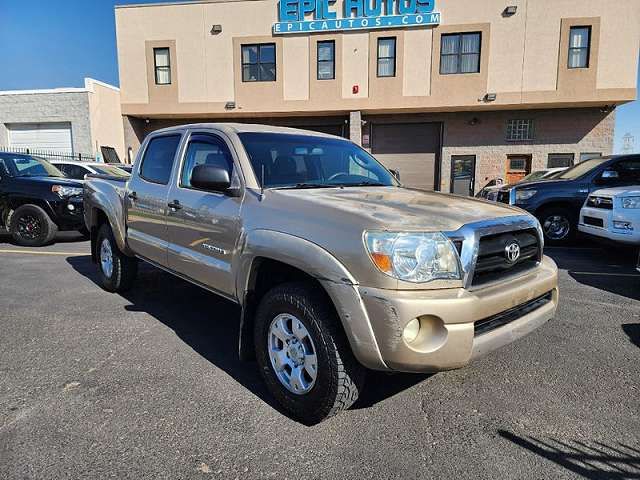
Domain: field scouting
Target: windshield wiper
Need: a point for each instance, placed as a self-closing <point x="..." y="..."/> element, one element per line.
<point x="301" y="186"/>
<point x="363" y="184"/>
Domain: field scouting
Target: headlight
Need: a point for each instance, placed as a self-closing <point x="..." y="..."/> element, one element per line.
<point x="414" y="257"/>
<point x="631" y="202"/>
<point x="522" y="195"/>
<point x="64" y="191"/>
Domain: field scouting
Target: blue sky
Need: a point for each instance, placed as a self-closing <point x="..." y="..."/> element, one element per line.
<point x="54" y="43"/>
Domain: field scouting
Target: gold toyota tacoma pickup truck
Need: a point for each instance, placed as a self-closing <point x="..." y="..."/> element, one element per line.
<point x="337" y="267"/>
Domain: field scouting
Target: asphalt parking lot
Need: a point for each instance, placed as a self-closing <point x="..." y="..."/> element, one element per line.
<point x="148" y="385"/>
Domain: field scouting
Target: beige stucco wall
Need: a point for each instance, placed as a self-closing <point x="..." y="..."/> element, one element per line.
<point x="105" y="115"/>
<point x="522" y="60"/>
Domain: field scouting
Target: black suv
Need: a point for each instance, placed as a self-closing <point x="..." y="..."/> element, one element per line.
<point x="36" y="200"/>
<point x="557" y="202"/>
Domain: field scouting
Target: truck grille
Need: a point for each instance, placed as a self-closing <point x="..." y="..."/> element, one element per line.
<point x="496" y="321"/>
<point x="503" y="196"/>
<point x="494" y="261"/>
<point x="600" y="202"/>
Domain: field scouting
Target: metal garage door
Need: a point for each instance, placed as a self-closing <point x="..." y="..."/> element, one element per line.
<point x="410" y="148"/>
<point x="51" y="137"/>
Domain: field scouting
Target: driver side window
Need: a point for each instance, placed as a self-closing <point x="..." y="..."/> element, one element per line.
<point x="205" y="150"/>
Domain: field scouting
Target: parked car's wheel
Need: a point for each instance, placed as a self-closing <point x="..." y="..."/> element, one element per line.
<point x="117" y="271"/>
<point x="30" y="226"/>
<point x="558" y="224"/>
<point x="303" y="354"/>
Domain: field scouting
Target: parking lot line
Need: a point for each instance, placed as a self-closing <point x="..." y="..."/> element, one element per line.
<point x="30" y="252"/>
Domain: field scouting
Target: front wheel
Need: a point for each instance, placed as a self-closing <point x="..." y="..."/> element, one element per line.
<point x="30" y="226"/>
<point x="304" y="356"/>
<point x="117" y="271"/>
<point x="558" y="225"/>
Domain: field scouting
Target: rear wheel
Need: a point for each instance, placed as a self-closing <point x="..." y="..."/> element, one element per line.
<point x="303" y="354"/>
<point x="117" y="271"/>
<point x="30" y="226"/>
<point x="558" y="225"/>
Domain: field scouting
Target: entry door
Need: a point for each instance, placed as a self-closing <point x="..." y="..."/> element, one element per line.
<point x="147" y="207"/>
<point x="463" y="174"/>
<point x="203" y="227"/>
<point x="518" y="167"/>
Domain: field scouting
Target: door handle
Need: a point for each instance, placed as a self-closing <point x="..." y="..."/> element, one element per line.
<point x="175" y="205"/>
<point x="133" y="196"/>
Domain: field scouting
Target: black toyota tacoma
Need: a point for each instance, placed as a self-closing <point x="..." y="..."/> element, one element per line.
<point x="557" y="202"/>
<point x="37" y="200"/>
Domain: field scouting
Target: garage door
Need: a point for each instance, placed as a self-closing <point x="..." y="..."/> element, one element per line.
<point x="51" y="137"/>
<point x="410" y="148"/>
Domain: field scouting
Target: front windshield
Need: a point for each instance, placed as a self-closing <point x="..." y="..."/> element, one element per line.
<point x="581" y="168"/>
<point x="308" y="161"/>
<point x="28" y="166"/>
<point x="110" y="170"/>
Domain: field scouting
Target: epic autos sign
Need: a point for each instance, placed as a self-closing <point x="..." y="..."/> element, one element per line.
<point x="299" y="16"/>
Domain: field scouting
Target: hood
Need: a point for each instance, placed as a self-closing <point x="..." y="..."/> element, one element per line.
<point x="69" y="182"/>
<point x="393" y="208"/>
<point x="632" y="191"/>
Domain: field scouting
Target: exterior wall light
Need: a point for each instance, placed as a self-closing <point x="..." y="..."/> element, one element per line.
<point x="216" y="29"/>
<point x="230" y="105"/>
<point x="510" y="11"/>
<point x="490" y="97"/>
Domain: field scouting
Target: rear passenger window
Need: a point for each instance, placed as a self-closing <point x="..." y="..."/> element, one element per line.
<point x="205" y="150"/>
<point x="157" y="162"/>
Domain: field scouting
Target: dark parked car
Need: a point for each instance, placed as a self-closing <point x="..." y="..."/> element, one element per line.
<point x="36" y="200"/>
<point x="557" y="202"/>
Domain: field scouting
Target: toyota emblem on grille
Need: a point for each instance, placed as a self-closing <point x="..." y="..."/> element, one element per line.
<point x="512" y="252"/>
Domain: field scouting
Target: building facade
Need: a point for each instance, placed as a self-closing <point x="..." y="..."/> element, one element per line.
<point x="451" y="93"/>
<point x="70" y="121"/>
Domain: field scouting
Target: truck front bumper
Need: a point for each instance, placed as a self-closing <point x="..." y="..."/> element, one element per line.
<point x="456" y="325"/>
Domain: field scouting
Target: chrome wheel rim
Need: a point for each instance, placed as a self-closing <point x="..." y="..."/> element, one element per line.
<point x="556" y="227"/>
<point x="106" y="258"/>
<point x="292" y="354"/>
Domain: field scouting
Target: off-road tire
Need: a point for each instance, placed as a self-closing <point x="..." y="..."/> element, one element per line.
<point x="340" y="377"/>
<point x="125" y="269"/>
<point x="561" y="212"/>
<point x="47" y="228"/>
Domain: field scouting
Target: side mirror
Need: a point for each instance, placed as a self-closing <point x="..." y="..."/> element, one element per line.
<point x="395" y="173"/>
<point x="208" y="177"/>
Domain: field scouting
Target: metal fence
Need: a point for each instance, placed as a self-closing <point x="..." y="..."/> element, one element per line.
<point x="49" y="154"/>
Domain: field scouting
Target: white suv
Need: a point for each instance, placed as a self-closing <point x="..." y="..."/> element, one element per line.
<point x="613" y="213"/>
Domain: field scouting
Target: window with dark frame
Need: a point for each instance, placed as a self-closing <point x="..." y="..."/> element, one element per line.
<point x="579" y="47"/>
<point x="259" y="62"/>
<point x="520" y="130"/>
<point x="386" y="57"/>
<point x="162" y="66"/>
<point x="560" y="160"/>
<point x="326" y="60"/>
<point x="460" y="53"/>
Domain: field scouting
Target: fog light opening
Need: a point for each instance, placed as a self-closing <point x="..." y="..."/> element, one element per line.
<point x="425" y="334"/>
<point x="71" y="207"/>
<point x="411" y="331"/>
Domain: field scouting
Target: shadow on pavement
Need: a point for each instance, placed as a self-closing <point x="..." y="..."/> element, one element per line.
<point x="209" y="324"/>
<point x="608" y="268"/>
<point x="61" y="237"/>
<point x="633" y="332"/>
<point x="595" y="461"/>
